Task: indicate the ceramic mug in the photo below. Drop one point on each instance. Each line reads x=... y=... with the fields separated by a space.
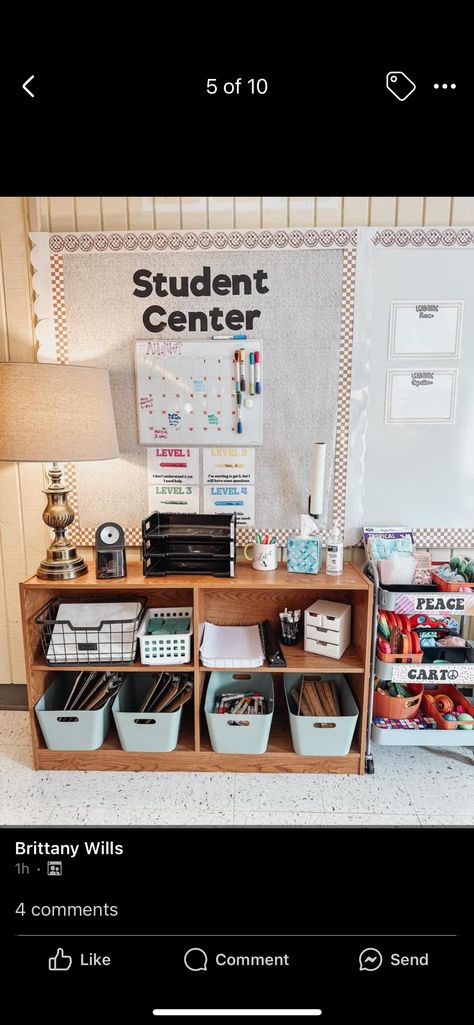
x=263 y=557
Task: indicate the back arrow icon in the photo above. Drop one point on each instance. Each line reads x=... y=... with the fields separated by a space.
x=28 y=80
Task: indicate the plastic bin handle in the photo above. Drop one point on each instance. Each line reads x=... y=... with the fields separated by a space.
x=68 y=718
x=145 y=722
x=238 y=722
x=324 y=725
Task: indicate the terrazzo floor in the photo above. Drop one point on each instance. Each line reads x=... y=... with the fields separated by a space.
x=423 y=786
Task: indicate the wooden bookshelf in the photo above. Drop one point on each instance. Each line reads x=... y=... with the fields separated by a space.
x=247 y=598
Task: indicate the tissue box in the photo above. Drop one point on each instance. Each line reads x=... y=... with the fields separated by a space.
x=304 y=554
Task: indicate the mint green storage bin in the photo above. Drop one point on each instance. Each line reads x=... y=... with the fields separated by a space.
x=308 y=737
x=249 y=735
x=143 y=731
x=70 y=730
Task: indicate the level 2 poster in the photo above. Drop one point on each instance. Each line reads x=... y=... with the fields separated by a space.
x=234 y=466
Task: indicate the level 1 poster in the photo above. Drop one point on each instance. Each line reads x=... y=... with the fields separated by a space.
x=173 y=466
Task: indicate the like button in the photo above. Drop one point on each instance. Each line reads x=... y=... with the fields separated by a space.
x=61 y=962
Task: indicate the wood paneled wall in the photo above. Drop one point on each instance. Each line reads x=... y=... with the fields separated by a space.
x=23 y=536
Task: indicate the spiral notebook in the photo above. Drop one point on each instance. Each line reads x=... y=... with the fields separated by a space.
x=220 y=645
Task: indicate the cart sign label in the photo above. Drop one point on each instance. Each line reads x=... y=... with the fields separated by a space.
x=460 y=674
x=440 y=603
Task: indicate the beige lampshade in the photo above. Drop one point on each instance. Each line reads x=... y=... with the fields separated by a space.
x=51 y=412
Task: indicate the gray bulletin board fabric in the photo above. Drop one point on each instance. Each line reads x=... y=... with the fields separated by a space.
x=300 y=324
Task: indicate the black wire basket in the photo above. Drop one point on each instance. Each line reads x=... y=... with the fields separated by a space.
x=107 y=642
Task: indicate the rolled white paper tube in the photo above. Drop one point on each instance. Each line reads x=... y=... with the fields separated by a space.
x=318 y=464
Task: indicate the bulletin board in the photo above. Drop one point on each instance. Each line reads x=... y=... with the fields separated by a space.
x=300 y=305
x=412 y=410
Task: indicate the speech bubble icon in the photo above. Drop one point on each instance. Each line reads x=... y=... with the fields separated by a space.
x=370 y=959
x=196 y=959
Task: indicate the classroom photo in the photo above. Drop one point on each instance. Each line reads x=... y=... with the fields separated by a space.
x=236 y=511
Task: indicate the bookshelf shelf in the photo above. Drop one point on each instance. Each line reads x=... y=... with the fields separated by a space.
x=247 y=598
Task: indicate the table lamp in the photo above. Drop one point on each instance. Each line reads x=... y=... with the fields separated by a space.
x=56 y=413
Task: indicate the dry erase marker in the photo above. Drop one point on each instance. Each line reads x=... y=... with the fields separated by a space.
x=233 y=338
x=174 y=503
x=258 y=386
x=228 y=503
x=252 y=373
x=242 y=369
x=237 y=370
x=239 y=418
x=174 y=464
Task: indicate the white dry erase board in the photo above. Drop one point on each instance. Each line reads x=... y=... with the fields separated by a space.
x=412 y=409
x=97 y=293
x=186 y=393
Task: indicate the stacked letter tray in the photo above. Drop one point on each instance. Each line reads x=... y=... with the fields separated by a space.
x=189 y=543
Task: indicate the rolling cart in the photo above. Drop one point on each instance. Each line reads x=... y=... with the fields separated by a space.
x=459 y=674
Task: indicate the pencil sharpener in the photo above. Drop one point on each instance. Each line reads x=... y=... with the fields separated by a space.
x=110 y=557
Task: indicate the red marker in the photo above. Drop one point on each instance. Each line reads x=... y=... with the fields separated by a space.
x=258 y=387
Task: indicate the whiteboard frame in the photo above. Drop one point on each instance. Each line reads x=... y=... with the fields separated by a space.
x=411 y=240
x=252 y=419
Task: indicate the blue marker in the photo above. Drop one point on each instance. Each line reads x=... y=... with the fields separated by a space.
x=228 y=503
x=236 y=338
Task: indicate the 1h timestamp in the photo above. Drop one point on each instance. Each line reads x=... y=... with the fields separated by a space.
x=256 y=86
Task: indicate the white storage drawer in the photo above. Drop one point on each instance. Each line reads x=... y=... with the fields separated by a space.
x=323 y=648
x=316 y=633
x=327 y=628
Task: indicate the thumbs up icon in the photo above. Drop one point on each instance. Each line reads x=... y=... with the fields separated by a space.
x=61 y=962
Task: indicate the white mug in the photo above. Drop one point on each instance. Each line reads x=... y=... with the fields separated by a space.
x=264 y=556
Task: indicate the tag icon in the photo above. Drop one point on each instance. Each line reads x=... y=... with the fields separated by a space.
x=400 y=85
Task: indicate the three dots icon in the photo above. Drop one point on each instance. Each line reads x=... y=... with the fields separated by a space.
x=444 y=85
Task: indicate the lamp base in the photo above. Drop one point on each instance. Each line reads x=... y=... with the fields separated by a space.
x=62 y=561
x=61 y=564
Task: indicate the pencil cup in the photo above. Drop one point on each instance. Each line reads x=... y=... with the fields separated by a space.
x=289 y=632
x=263 y=556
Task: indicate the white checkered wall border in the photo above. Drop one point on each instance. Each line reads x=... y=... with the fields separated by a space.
x=59 y=308
x=344 y=390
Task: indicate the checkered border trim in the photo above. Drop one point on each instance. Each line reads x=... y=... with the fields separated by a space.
x=59 y=308
x=344 y=390
x=444 y=537
x=245 y=535
x=129 y=241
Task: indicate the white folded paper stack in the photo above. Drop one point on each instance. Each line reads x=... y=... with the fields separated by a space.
x=220 y=645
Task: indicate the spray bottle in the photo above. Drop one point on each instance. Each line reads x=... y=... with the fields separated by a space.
x=334 y=551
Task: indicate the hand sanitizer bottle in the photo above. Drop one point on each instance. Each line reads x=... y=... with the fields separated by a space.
x=334 y=551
